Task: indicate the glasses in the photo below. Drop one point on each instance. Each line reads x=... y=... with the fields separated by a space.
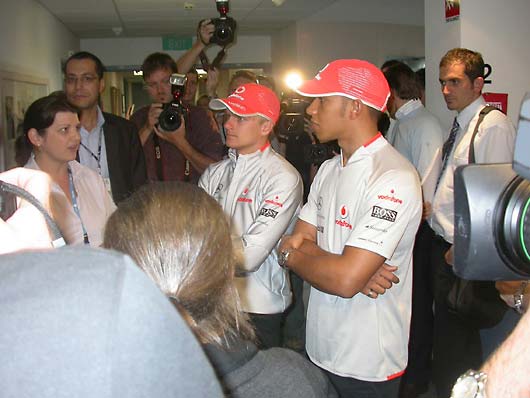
x=84 y=79
x=155 y=85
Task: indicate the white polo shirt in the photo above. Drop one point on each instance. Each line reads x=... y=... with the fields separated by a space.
x=494 y=143
x=373 y=203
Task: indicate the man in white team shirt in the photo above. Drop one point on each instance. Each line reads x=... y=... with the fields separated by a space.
x=360 y=220
x=262 y=193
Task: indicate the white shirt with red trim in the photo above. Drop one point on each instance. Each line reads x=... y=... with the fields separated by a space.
x=262 y=194
x=373 y=203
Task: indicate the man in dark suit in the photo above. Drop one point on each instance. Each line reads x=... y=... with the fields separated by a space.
x=109 y=144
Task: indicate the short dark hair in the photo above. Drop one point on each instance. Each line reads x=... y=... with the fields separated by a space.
x=472 y=60
x=390 y=63
x=156 y=61
x=39 y=116
x=403 y=81
x=100 y=68
x=244 y=74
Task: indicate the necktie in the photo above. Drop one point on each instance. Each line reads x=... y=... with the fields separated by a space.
x=447 y=147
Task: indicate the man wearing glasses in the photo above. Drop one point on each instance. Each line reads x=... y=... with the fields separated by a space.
x=261 y=193
x=182 y=154
x=109 y=143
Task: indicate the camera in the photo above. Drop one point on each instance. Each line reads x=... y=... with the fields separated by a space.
x=170 y=118
x=492 y=214
x=225 y=27
x=291 y=130
x=292 y=116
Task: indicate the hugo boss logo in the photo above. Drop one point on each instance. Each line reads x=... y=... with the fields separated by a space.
x=384 y=214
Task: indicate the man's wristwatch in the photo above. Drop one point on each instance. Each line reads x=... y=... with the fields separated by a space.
x=283 y=257
x=471 y=384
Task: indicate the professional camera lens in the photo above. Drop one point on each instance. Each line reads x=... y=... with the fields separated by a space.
x=169 y=119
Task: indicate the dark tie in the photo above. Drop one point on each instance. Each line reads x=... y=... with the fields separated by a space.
x=447 y=148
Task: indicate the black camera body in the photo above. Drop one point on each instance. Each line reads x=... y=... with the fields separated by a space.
x=492 y=214
x=225 y=26
x=170 y=118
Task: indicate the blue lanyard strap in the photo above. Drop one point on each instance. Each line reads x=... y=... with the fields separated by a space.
x=73 y=194
x=98 y=156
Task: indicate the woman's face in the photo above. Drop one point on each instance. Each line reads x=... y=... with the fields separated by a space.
x=60 y=141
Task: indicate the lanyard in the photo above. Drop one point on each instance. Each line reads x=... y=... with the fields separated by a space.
x=98 y=156
x=73 y=194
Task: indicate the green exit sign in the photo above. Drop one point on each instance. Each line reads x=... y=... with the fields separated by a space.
x=176 y=43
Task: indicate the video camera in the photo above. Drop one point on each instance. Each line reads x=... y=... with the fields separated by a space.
x=170 y=118
x=492 y=214
x=291 y=127
x=225 y=26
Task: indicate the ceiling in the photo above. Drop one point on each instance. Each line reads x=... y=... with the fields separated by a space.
x=145 y=18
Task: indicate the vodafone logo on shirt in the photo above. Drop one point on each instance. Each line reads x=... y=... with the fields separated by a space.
x=343 y=215
x=244 y=199
x=390 y=198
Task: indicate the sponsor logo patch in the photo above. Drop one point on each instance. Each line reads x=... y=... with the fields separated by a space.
x=274 y=201
x=390 y=198
x=384 y=214
x=268 y=213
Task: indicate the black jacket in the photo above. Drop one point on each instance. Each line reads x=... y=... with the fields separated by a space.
x=125 y=156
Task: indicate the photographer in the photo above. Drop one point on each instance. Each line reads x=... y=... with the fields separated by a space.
x=182 y=154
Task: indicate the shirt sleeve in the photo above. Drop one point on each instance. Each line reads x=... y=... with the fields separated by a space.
x=280 y=203
x=384 y=219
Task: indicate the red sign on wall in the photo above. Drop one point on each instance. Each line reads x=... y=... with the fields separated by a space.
x=452 y=10
x=498 y=100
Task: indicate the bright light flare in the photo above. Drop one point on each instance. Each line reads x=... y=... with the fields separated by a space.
x=293 y=80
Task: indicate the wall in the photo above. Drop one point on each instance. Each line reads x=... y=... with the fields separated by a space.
x=33 y=44
x=33 y=41
x=128 y=52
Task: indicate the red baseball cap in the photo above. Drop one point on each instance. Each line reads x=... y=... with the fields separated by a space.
x=352 y=78
x=250 y=99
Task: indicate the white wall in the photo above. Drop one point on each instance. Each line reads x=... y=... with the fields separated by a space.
x=320 y=43
x=33 y=41
x=132 y=51
x=499 y=32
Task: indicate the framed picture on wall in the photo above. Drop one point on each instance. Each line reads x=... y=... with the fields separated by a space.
x=17 y=92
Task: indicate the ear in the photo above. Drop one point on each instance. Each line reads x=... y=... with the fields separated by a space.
x=266 y=127
x=478 y=84
x=353 y=109
x=34 y=137
x=101 y=85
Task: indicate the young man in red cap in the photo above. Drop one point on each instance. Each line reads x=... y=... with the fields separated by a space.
x=262 y=193
x=357 y=227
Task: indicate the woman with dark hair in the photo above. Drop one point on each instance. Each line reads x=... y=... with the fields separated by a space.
x=180 y=237
x=80 y=203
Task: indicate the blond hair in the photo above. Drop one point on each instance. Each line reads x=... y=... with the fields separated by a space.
x=181 y=238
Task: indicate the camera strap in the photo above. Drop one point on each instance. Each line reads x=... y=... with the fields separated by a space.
x=216 y=61
x=158 y=158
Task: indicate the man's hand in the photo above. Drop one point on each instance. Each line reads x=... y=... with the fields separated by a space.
x=212 y=81
x=176 y=137
x=205 y=31
x=381 y=281
x=450 y=256
x=291 y=242
x=152 y=119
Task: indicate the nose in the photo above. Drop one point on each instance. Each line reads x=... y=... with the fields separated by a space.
x=311 y=109
x=229 y=122
x=445 y=89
